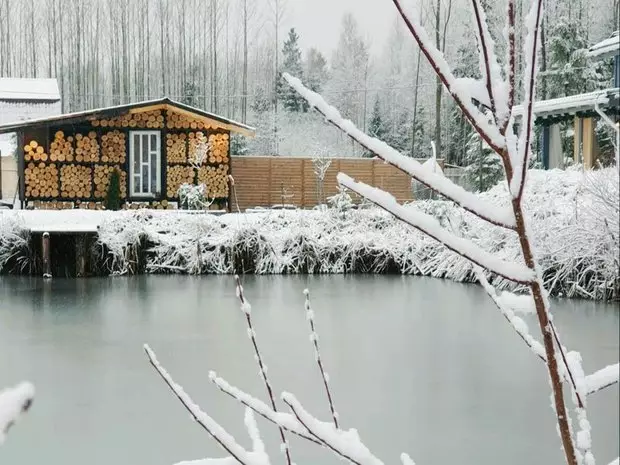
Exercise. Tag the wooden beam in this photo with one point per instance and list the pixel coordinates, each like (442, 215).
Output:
(577, 140)
(159, 106)
(590, 149)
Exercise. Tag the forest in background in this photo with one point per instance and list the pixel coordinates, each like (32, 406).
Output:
(226, 56)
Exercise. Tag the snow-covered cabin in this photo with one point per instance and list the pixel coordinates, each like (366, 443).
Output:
(584, 109)
(21, 100)
(67, 160)
(608, 48)
(25, 99)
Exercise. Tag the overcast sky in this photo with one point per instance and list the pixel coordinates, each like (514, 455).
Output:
(318, 21)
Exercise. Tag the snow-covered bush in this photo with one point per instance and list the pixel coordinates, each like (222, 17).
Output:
(341, 201)
(193, 197)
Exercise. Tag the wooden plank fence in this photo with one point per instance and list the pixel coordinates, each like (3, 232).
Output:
(266, 181)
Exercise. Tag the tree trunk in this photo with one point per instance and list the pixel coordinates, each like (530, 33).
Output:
(438, 85)
(415, 103)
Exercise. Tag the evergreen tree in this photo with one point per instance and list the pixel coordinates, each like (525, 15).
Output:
(422, 142)
(400, 135)
(291, 100)
(261, 102)
(238, 144)
(458, 130)
(349, 71)
(316, 70)
(113, 195)
(376, 128)
(569, 71)
(484, 167)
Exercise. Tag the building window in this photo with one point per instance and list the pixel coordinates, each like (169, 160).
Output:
(145, 163)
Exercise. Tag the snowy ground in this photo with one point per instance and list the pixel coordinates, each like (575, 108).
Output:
(574, 219)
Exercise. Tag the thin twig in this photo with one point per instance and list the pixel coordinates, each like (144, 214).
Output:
(315, 340)
(529, 116)
(485, 53)
(316, 435)
(247, 310)
(259, 408)
(190, 406)
(511, 56)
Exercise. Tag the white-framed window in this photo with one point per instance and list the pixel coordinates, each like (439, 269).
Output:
(144, 163)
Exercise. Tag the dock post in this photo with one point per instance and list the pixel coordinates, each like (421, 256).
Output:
(80, 255)
(45, 249)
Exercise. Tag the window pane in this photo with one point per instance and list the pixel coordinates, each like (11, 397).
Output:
(153, 177)
(145, 148)
(153, 142)
(136, 153)
(145, 179)
(137, 184)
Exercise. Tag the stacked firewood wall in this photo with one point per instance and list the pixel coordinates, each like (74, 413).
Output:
(148, 119)
(76, 172)
(73, 167)
(198, 156)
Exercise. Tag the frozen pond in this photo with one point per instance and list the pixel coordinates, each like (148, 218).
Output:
(416, 364)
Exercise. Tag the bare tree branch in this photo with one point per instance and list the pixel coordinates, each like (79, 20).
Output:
(247, 310)
(437, 182)
(259, 407)
(223, 438)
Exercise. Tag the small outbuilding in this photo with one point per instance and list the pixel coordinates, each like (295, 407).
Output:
(66, 161)
(22, 99)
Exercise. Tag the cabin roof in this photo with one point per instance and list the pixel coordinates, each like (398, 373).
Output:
(163, 103)
(606, 48)
(573, 104)
(29, 90)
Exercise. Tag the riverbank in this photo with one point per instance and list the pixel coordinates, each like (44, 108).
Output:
(573, 218)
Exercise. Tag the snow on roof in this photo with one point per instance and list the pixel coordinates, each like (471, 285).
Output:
(29, 89)
(606, 48)
(571, 104)
(79, 115)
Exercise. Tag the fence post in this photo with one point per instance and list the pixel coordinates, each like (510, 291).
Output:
(45, 251)
(303, 184)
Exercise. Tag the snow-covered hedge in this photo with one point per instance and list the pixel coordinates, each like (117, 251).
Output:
(575, 225)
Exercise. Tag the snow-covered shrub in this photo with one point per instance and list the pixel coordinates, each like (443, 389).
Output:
(14, 239)
(193, 197)
(341, 202)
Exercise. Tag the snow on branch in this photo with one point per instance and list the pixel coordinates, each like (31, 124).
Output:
(219, 434)
(508, 311)
(13, 403)
(314, 338)
(510, 304)
(284, 420)
(246, 308)
(602, 378)
(489, 66)
(461, 93)
(427, 224)
(224, 461)
(346, 444)
(511, 59)
(530, 52)
(437, 182)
